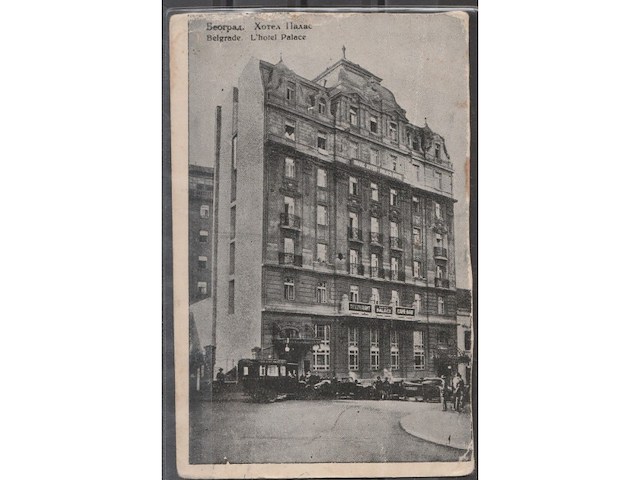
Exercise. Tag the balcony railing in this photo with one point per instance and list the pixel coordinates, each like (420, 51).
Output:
(290, 221)
(376, 237)
(440, 252)
(397, 275)
(395, 242)
(442, 282)
(290, 259)
(376, 272)
(356, 269)
(354, 234)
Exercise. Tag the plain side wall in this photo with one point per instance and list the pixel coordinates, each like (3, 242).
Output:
(239, 331)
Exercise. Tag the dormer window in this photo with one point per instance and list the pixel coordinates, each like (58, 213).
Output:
(393, 131)
(436, 152)
(414, 142)
(353, 116)
(322, 106)
(373, 125)
(291, 92)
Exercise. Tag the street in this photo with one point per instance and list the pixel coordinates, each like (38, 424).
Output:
(296, 431)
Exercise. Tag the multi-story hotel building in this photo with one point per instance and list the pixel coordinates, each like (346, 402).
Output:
(335, 232)
(201, 234)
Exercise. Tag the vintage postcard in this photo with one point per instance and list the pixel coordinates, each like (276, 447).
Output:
(321, 275)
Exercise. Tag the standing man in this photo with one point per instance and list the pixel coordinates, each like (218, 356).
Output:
(458, 391)
(220, 378)
(443, 393)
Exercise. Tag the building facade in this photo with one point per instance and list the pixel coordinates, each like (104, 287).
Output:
(336, 242)
(465, 333)
(201, 235)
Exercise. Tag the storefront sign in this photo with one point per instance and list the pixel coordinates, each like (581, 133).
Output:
(405, 312)
(384, 309)
(360, 307)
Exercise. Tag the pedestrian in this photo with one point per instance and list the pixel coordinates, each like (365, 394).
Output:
(458, 391)
(443, 393)
(377, 387)
(386, 388)
(220, 377)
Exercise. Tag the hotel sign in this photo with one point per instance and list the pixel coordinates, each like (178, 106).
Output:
(368, 310)
(384, 309)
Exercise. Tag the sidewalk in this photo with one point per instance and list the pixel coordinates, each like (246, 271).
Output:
(448, 428)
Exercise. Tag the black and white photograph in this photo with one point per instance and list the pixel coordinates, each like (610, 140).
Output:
(323, 312)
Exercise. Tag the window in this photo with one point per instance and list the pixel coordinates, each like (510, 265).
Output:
(354, 294)
(202, 262)
(289, 130)
(322, 215)
(322, 141)
(353, 348)
(322, 106)
(289, 245)
(232, 222)
(374, 192)
(375, 296)
(393, 229)
(417, 301)
(394, 268)
(375, 157)
(418, 350)
(395, 350)
(439, 271)
(204, 236)
(291, 92)
(414, 142)
(322, 178)
(263, 370)
(437, 210)
(321, 355)
(234, 152)
(353, 115)
(437, 151)
(289, 288)
(373, 124)
(353, 186)
(289, 206)
(438, 180)
(416, 204)
(374, 335)
(395, 299)
(393, 131)
(232, 295)
(353, 149)
(353, 261)
(438, 240)
(322, 253)
(416, 269)
(375, 225)
(467, 340)
(204, 211)
(202, 288)
(321, 292)
(440, 306)
(289, 167)
(416, 169)
(393, 197)
(353, 220)
(374, 265)
(394, 164)
(416, 236)
(232, 258)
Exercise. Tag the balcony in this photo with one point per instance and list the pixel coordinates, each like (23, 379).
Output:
(376, 272)
(354, 234)
(395, 243)
(442, 282)
(290, 221)
(376, 237)
(356, 269)
(440, 253)
(397, 275)
(289, 259)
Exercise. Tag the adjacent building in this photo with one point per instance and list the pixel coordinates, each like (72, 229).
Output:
(201, 235)
(335, 238)
(465, 333)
